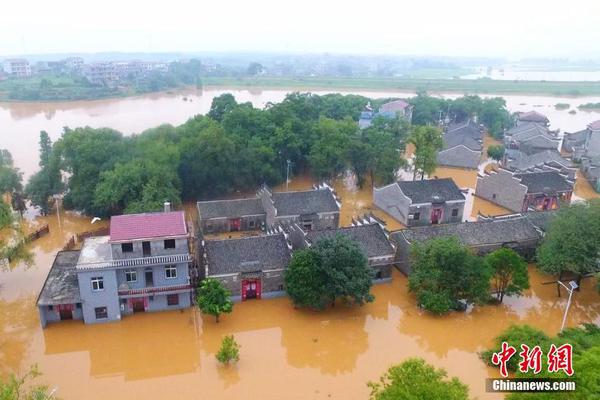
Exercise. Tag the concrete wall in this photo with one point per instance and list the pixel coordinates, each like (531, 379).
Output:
(157, 248)
(391, 200)
(159, 303)
(108, 297)
(158, 274)
(503, 189)
(49, 316)
(218, 225)
(592, 144)
(318, 221)
(425, 213)
(271, 281)
(265, 198)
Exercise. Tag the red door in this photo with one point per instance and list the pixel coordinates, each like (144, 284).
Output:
(65, 311)
(139, 305)
(235, 224)
(436, 215)
(251, 289)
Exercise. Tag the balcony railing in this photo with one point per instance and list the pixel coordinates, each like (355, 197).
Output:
(138, 262)
(154, 290)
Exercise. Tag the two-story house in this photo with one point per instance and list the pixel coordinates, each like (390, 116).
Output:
(217, 216)
(433, 201)
(142, 265)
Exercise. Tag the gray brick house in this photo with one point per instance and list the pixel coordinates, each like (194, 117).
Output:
(547, 160)
(367, 232)
(413, 203)
(517, 232)
(231, 215)
(250, 267)
(535, 191)
(530, 138)
(463, 143)
(318, 208)
(143, 265)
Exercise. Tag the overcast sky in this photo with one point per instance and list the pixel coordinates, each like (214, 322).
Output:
(510, 28)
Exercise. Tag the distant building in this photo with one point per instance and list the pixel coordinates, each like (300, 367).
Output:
(251, 268)
(143, 265)
(101, 73)
(73, 63)
(387, 110)
(369, 235)
(463, 144)
(17, 67)
(231, 215)
(548, 160)
(584, 143)
(519, 233)
(530, 138)
(425, 202)
(536, 191)
(532, 117)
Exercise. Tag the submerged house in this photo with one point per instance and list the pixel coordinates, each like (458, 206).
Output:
(585, 148)
(251, 268)
(388, 110)
(548, 160)
(463, 144)
(318, 208)
(518, 233)
(142, 265)
(532, 117)
(536, 191)
(367, 232)
(530, 138)
(231, 215)
(425, 202)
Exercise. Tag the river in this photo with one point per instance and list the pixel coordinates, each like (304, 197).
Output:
(285, 353)
(21, 123)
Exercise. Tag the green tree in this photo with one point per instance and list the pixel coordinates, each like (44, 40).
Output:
(496, 152)
(427, 110)
(213, 298)
(47, 181)
(572, 241)
(229, 351)
(328, 154)
(509, 270)
(6, 217)
(415, 379)
(10, 176)
(515, 335)
(495, 116)
(221, 105)
(444, 273)
(334, 268)
(427, 141)
(21, 387)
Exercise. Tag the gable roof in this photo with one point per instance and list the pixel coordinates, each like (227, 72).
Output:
(453, 139)
(370, 238)
(394, 106)
(251, 254)
(544, 182)
(61, 285)
(531, 131)
(474, 233)
(468, 128)
(532, 116)
(305, 202)
(431, 190)
(147, 226)
(459, 156)
(522, 162)
(230, 208)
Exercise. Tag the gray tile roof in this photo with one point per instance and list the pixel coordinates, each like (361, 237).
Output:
(230, 208)
(370, 238)
(305, 202)
(574, 139)
(534, 130)
(426, 191)
(459, 156)
(532, 116)
(256, 253)
(544, 182)
(541, 219)
(61, 286)
(520, 161)
(456, 139)
(495, 231)
(468, 128)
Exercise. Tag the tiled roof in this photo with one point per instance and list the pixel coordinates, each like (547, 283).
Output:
(547, 181)
(61, 286)
(147, 226)
(431, 190)
(393, 106)
(305, 202)
(459, 156)
(474, 233)
(256, 253)
(541, 219)
(532, 116)
(230, 208)
(370, 238)
(455, 139)
(522, 162)
(468, 128)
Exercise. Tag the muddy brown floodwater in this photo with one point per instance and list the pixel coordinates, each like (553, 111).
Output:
(285, 353)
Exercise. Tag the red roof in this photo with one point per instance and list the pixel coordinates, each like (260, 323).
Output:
(595, 125)
(147, 226)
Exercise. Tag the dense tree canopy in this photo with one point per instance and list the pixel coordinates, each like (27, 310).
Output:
(510, 276)
(445, 272)
(213, 298)
(427, 141)
(10, 176)
(335, 268)
(47, 181)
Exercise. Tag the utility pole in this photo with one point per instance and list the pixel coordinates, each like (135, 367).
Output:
(287, 174)
(571, 288)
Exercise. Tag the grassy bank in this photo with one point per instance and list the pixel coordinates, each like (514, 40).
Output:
(487, 86)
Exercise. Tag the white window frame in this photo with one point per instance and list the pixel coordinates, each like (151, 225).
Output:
(168, 269)
(97, 283)
(129, 273)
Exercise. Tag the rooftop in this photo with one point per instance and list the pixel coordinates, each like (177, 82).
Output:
(431, 190)
(230, 208)
(147, 226)
(305, 202)
(532, 116)
(468, 128)
(544, 182)
(256, 253)
(453, 139)
(95, 250)
(522, 162)
(393, 106)
(61, 286)
(370, 238)
(459, 156)
(595, 125)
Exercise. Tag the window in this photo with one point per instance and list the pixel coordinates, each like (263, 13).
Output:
(78, 305)
(97, 283)
(131, 276)
(416, 216)
(170, 244)
(378, 275)
(172, 299)
(127, 247)
(151, 298)
(170, 271)
(146, 249)
(209, 226)
(251, 224)
(280, 288)
(50, 308)
(455, 212)
(101, 312)
(494, 196)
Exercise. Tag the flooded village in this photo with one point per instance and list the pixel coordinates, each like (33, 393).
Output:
(245, 240)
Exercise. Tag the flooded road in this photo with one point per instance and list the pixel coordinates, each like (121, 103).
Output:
(285, 353)
(21, 123)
